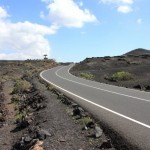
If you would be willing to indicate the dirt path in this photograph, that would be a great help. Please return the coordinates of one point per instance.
(6, 137)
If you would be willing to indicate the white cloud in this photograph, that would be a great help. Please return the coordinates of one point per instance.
(68, 13)
(139, 21)
(123, 6)
(25, 40)
(3, 13)
(124, 9)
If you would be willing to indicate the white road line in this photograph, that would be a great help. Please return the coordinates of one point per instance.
(107, 109)
(100, 88)
(124, 88)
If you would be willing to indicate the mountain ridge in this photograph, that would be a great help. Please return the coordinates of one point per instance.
(138, 51)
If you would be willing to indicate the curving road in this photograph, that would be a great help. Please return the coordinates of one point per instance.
(127, 111)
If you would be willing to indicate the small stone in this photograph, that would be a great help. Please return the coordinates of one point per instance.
(5, 124)
(1, 124)
(76, 112)
(148, 88)
(30, 119)
(30, 114)
(42, 134)
(46, 132)
(23, 138)
(74, 105)
(22, 124)
(106, 145)
(28, 139)
(39, 143)
(85, 128)
(62, 139)
(98, 131)
(44, 120)
(138, 87)
(1, 115)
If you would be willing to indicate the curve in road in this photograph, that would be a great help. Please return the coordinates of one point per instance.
(126, 110)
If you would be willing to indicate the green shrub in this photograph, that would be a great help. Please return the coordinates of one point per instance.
(20, 116)
(87, 120)
(28, 64)
(121, 76)
(50, 87)
(84, 120)
(21, 86)
(87, 76)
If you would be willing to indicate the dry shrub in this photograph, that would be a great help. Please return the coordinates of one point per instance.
(21, 86)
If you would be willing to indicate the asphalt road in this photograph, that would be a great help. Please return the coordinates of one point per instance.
(126, 111)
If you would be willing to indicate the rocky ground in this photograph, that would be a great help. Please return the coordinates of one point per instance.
(35, 116)
(135, 62)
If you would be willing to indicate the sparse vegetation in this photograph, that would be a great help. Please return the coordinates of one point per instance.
(121, 76)
(87, 120)
(83, 120)
(21, 86)
(20, 115)
(50, 87)
(87, 76)
(19, 99)
(28, 73)
(28, 64)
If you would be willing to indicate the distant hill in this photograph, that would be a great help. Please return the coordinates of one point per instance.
(139, 51)
(135, 62)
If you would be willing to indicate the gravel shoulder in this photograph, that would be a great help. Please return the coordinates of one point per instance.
(66, 133)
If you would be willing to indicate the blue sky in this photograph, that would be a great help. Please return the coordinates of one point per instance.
(71, 30)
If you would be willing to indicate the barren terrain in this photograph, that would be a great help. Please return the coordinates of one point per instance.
(35, 116)
(104, 69)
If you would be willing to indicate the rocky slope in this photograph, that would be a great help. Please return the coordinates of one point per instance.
(135, 62)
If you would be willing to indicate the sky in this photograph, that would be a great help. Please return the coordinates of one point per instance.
(72, 30)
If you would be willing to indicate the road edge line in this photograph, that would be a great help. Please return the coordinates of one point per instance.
(84, 99)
